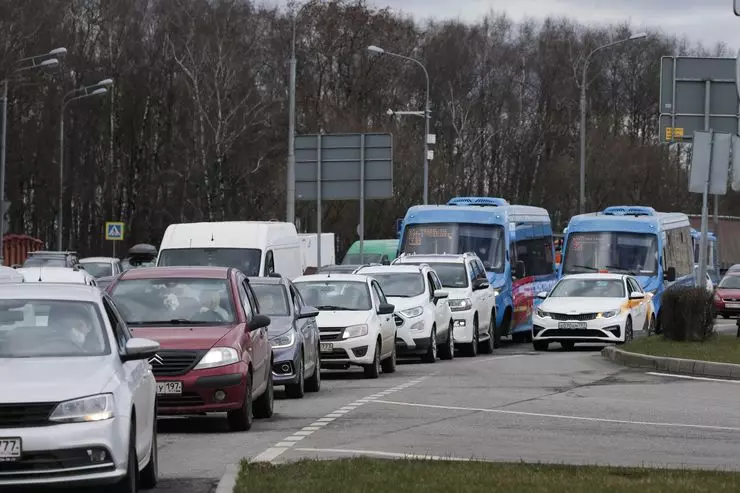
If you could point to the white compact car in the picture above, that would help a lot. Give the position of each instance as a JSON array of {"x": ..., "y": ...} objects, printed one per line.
[
  {"x": 471, "y": 298},
  {"x": 591, "y": 308},
  {"x": 78, "y": 401},
  {"x": 101, "y": 266},
  {"x": 423, "y": 317},
  {"x": 355, "y": 321}
]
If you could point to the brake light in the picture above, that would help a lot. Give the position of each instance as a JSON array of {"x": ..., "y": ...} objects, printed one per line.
[{"x": 603, "y": 271}]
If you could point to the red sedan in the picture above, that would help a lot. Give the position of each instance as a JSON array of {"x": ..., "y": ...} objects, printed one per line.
[
  {"x": 215, "y": 354},
  {"x": 727, "y": 295}
]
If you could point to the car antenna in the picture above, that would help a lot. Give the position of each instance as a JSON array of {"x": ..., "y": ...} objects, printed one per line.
[{"x": 40, "y": 268}]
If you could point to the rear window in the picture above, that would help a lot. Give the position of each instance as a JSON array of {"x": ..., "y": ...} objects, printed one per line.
[{"x": 272, "y": 299}]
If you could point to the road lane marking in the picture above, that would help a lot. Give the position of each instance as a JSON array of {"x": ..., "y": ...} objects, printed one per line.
[
  {"x": 378, "y": 453},
  {"x": 561, "y": 416},
  {"x": 288, "y": 442},
  {"x": 690, "y": 377}
]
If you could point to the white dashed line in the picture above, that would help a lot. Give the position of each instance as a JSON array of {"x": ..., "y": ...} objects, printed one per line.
[
  {"x": 288, "y": 442},
  {"x": 689, "y": 377}
]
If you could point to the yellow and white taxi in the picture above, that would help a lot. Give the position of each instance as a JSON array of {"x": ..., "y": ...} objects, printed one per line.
[{"x": 591, "y": 308}]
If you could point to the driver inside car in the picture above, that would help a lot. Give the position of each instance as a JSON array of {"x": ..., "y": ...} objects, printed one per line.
[
  {"x": 211, "y": 309},
  {"x": 76, "y": 325}
]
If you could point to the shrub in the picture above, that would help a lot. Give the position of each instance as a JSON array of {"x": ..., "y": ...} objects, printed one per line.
[{"x": 687, "y": 314}]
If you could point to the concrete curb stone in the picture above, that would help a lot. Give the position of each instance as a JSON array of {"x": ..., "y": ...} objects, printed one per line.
[
  {"x": 672, "y": 365},
  {"x": 228, "y": 481}
]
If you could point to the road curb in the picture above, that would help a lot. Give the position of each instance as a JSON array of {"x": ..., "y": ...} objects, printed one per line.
[
  {"x": 228, "y": 481},
  {"x": 672, "y": 365}
]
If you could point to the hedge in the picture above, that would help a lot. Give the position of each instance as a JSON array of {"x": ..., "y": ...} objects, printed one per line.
[{"x": 687, "y": 314}]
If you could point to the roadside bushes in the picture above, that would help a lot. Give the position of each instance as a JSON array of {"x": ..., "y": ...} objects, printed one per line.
[{"x": 687, "y": 314}]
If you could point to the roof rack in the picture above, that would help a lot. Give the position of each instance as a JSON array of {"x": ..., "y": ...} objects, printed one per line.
[
  {"x": 629, "y": 210},
  {"x": 479, "y": 201}
]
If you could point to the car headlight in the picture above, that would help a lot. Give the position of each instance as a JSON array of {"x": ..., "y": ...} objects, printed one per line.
[
  {"x": 283, "y": 340},
  {"x": 496, "y": 292},
  {"x": 609, "y": 314},
  {"x": 460, "y": 305},
  {"x": 94, "y": 408},
  {"x": 413, "y": 312},
  {"x": 218, "y": 356},
  {"x": 541, "y": 313},
  {"x": 355, "y": 331}
]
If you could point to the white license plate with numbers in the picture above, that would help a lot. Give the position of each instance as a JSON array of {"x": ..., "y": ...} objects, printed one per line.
[
  {"x": 327, "y": 347},
  {"x": 169, "y": 388},
  {"x": 10, "y": 449}
]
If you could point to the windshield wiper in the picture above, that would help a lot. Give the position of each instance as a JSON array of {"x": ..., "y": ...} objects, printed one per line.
[
  {"x": 332, "y": 307},
  {"x": 174, "y": 321}
]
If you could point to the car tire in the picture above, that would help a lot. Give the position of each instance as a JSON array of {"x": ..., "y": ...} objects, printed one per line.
[
  {"x": 431, "y": 354},
  {"x": 388, "y": 365},
  {"x": 497, "y": 332},
  {"x": 130, "y": 482},
  {"x": 264, "y": 405},
  {"x": 447, "y": 352},
  {"x": 628, "y": 333},
  {"x": 241, "y": 419},
  {"x": 471, "y": 349},
  {"x": 313, "y": 384},
  {"x": 540, "y": 345},
  {"x": 150, "y": 474},
  {"x": 373, "y": 369},
  {"x": 297, "y": 390},
  {"x": 489, "y": 345}
]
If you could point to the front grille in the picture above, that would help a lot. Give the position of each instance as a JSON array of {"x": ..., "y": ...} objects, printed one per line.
[
  {"x": 26, "y": 415},
  {"x": 186, "y": 399},
  {"x": 731, "y": 300},
  {"x": 579, "y": 317},
  {"x": 38, "y": 462},
  {"x": 398, "y": 320},
  {"x": 327, "y": 334},
  {"x": 174, "y": 363},
  {"x": 336, "y": 354}
]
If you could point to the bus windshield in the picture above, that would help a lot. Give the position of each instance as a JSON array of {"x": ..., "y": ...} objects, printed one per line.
[
  {"x": 486, "y": 240},
  {"x": 633, "y": 253}
]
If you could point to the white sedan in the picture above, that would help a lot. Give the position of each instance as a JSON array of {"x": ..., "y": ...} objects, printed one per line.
[
  {"x": 78, "y": 400},
  {"x": 591, "y": 308}
]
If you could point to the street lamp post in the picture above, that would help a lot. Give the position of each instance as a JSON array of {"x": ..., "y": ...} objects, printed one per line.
[
  {"x": 427, "y": 116},
  {"x": 45, "y": 61},
  {"x": 81, "y": 93},
  {"x": 584, "y": 83},
  {"x": 290, "y": 184}
]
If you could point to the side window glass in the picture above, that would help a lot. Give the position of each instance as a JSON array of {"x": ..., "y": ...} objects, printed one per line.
[
  {"x": 118, "y": 331},
  {"x": 296, "y": 300},
  {"x": 269, "y": 263},
  {"x": 437, "y": 282},
  {"x": 253, "y": 303},
  {"x": 375, "y": 295},
  {"x": 379, "y": 293},
  {"x": 471, "y": 271},
  {"x": 430, "y": 284},
  {"x": 481, "y": 271},
  {"x": 244, "y": 300}
]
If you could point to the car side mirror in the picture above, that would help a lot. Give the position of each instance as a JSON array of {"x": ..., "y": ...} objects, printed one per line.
[
  {"x": 542, "y": 295},
  {"x": 386, "y": 309},
  {"x": 385, "y": 261},
  {"x": 479, "y": 284},
  {"x": 439, "y": 294},
  {"x": 138, "y": 349},
  {"x": 520, "y": 272},
  {"x": 258, "y": 322},
  {"x": 670, "y": 274},
  {"x": 308, "y": 312},
  {"x": 636, "y": 295}
]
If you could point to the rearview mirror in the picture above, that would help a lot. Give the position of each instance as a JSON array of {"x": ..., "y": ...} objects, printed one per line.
[
  {"x": 542, "y": 295},
  {"x": 519, "y": 270},
  {"x": 137, "y": 349},
  {"x": 258, "y": 322},
  {"x": 386, "y": 309},
  {"x": 480, "y": 284},
  {"x": 670, "y": 274},
  {"x": 439, "y": 294},
  {"x": 636, "y": 295},
  {"x": 308, "y": 312}
]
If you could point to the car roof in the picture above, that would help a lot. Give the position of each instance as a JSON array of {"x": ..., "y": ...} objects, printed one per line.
[
  {"x": 54, "y": 274},
  {"x": 50, "y": 291},
  {"x": 208, "y": 272},
  {"x": 330, "y": 277},
  {"x": 379, "y": 269},
  {"x": 596, "y": 275},
  {"x": 266, "y": 280},
  {"x": 439, "y": 258},
  {"x": 51, "y": 253},
  {"x": 97, "y": 259}
]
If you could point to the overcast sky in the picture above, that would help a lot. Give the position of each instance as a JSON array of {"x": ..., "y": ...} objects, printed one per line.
[{"x": 705, "y": 21}]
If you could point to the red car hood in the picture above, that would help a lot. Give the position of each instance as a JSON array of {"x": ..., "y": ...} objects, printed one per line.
[
  {"x": 728, "y": 293},
  {"x": 198, "y": 337}
]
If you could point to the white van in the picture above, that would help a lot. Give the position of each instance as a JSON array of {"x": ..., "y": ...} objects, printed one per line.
[
  {"x": 257, "y": 248},
  {"x": 309, "y": 249}
]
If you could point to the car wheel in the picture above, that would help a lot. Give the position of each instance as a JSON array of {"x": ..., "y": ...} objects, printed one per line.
[
  {"x": 130, "y": 482},
  {"x": 388, "y": 365},
  {"x": 150, "y": 473},
  {"x": 628, "y": 335},
  {"x": 431, "y": 354},
  {"x": 497, "y": 332},
  {"x": 313, "y": 384},
  {"x": 489, "y": 345},
  {"x": 471, "y": 348},
  {"x": 373, "y": 369},
  {"x": 263, "y": 406},
  {"x": 540, "y": 345},
  {"x": 297, "y": 390},
  {"x": 448, "y": 350},
  {"x": 241, "y": 419}
]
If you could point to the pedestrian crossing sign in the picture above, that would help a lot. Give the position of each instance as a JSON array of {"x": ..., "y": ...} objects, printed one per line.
[{"x": 114, "y": 231}]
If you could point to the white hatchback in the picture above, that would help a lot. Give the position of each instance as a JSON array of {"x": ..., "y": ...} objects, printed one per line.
[
  {"x": 355, "y": 321},
  {"x": 591, "y": 308},
  {"x": 423, "y": 317}
]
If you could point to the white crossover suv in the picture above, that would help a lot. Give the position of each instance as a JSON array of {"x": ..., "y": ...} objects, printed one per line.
[
  {"x": 355, "y": 321},
  {"x": 423, "y": 317},
  {"x": 591, "y": 308},
  {"x": 471, "y": 297}
]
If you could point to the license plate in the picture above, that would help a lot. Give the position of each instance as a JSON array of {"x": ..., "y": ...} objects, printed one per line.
[
  {"x": 327, "y": 347},
  {"x": 10, "y": 449},
  {"x": 571, "y": 325},
  {"x": 169, "y": 388},
  {"x": 732, "y": 305}
]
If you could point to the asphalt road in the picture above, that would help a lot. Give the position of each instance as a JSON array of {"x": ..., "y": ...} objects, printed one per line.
[{"x": 558, "y": 407}]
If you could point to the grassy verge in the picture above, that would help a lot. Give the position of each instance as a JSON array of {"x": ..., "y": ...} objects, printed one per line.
[
  {"x": 722, "y": 348},
  {"x": 362, "y": 475}
]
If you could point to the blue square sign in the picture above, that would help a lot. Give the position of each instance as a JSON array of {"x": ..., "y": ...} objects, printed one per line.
[{"x": 114, "y": 231}]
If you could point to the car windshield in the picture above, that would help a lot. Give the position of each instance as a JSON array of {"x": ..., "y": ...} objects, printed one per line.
[
  {"x": 49, "y": 329},
  {"x": 588, "y": 288},
  {"x": 332, "y": 294},
  {"x": 367, "y": 258},
  {"x": 98, "y": 269},
  {"x": 43, "y": 261},
  {"x": 171, "y": 302},
  {"x": 730, "y": 282},
  {"x": 633, "y": 253},
  {"x": 272, "y": 299},
  {"x": 451, "y": 274},
  {"x": 486, "y": 240},
  {"x": 246, "y": 260},
  {"x": 399, "y": 284}
]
